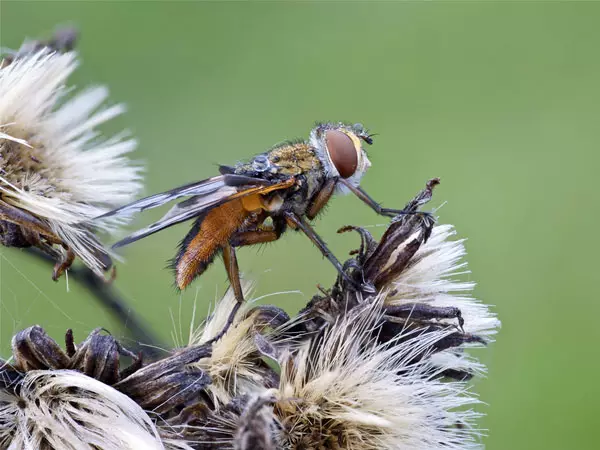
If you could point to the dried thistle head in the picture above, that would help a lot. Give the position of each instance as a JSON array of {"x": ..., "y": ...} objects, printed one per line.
[
  {"x": 56, "y": 171},
  {"x": 345, "y": 388},
  {"x": 354, "y": 370},
  {"x": 388, "y": 370},
  {"x": 98, "y": 356},
  {"x": 257, "y": 427}
]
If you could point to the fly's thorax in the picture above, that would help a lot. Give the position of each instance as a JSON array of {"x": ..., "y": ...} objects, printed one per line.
[
  {"x": 281, "y": 162},
  {"x": 300, "y": 160},
  {"x": 295, "y": 158},
  {"x": 290, "y": 159}
]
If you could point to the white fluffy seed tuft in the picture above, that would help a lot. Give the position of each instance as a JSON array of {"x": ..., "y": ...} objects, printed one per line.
[
  {"x": 430, "y": 279},
  {"x": 366, "y": 395},
  {"x": 54, "y": 163},
  {"x": 233, "y": 364},
  {"x": 64, "y": 409}
]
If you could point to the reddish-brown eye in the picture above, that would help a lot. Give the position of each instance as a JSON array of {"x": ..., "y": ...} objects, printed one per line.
[{"x": 342, "y": 152}]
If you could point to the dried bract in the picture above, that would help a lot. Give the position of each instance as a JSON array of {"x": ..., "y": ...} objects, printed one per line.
[{"x": 98, "y": 356}]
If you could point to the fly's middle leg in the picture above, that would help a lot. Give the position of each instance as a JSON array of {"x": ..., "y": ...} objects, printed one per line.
[{"x": 296, "y": 222}]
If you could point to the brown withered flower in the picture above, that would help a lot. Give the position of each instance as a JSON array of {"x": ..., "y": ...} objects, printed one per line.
[{"x": 353, "y": 370}]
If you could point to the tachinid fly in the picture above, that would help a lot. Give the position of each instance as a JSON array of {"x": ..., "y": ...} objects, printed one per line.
[{"x": 289, "y": 184}]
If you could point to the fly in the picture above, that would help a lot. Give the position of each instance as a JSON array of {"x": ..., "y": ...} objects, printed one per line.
[{"x": 289, "y": 185}]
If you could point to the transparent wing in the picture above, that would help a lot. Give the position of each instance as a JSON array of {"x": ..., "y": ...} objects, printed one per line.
[
  {"x": 181, "y": 212},
  {"x": 204, "y": 187},
  {"x": 205, "y": 195}
]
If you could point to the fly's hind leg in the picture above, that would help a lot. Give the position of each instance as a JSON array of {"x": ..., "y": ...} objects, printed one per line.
[
  {"x": 233, "y": 273},
  {"x": 255, "y": 235},
  {"x": 252, "y": 237}
]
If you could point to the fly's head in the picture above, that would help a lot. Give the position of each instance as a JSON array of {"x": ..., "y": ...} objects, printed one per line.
[{"x": 339, "y": 146}]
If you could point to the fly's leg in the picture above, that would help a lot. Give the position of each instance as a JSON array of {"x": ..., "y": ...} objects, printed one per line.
[
  {"x": 255, "y": 235},
  {"x": 321, "y": 199},
  {"x": 259, "y": 234},
  {"x": 296, "y": 222},
  {"x": 233, "y": 273},
  {"x": 252, "y": 237},
  {"x": 411, "y": 208}
]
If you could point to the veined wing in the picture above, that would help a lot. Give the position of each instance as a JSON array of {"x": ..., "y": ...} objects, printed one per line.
[
  {"x": 196, "y": 205},
  {"x": 207, "y": 186},
  {"x": 198, "y": 188}
]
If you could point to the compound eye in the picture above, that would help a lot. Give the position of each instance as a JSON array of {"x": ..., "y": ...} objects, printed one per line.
[{"x": 342, "y": 152}]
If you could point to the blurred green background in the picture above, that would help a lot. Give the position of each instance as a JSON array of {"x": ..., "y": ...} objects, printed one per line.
[{"x": 500, "y": 100}]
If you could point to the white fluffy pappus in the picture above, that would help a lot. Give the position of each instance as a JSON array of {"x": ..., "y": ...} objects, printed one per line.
[
  {"x": 234, "y": 365},
  {"x": 54, "y": 163},
  {"x": 63, "y": 409},
  {"x": 350, "y": 391},
  {"x": 429, "y": 278}
]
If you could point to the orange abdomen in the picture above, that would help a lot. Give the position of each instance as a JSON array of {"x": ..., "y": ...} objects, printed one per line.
[{"x": 207, "y": 238}]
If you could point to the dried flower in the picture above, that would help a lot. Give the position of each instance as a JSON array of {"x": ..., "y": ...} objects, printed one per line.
[
  {"x": 347, "y": 389},
  {"x": 353, "y": 370},
  {"x": 56, "y": 171}
]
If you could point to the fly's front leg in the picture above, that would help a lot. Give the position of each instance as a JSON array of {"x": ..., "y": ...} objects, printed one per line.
[
  {"x": 321, "y": 199},
  {"x": 411, "y": 208},
  {"x": 296, "y": 222},
  {"x": 367, "y": 199}
]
